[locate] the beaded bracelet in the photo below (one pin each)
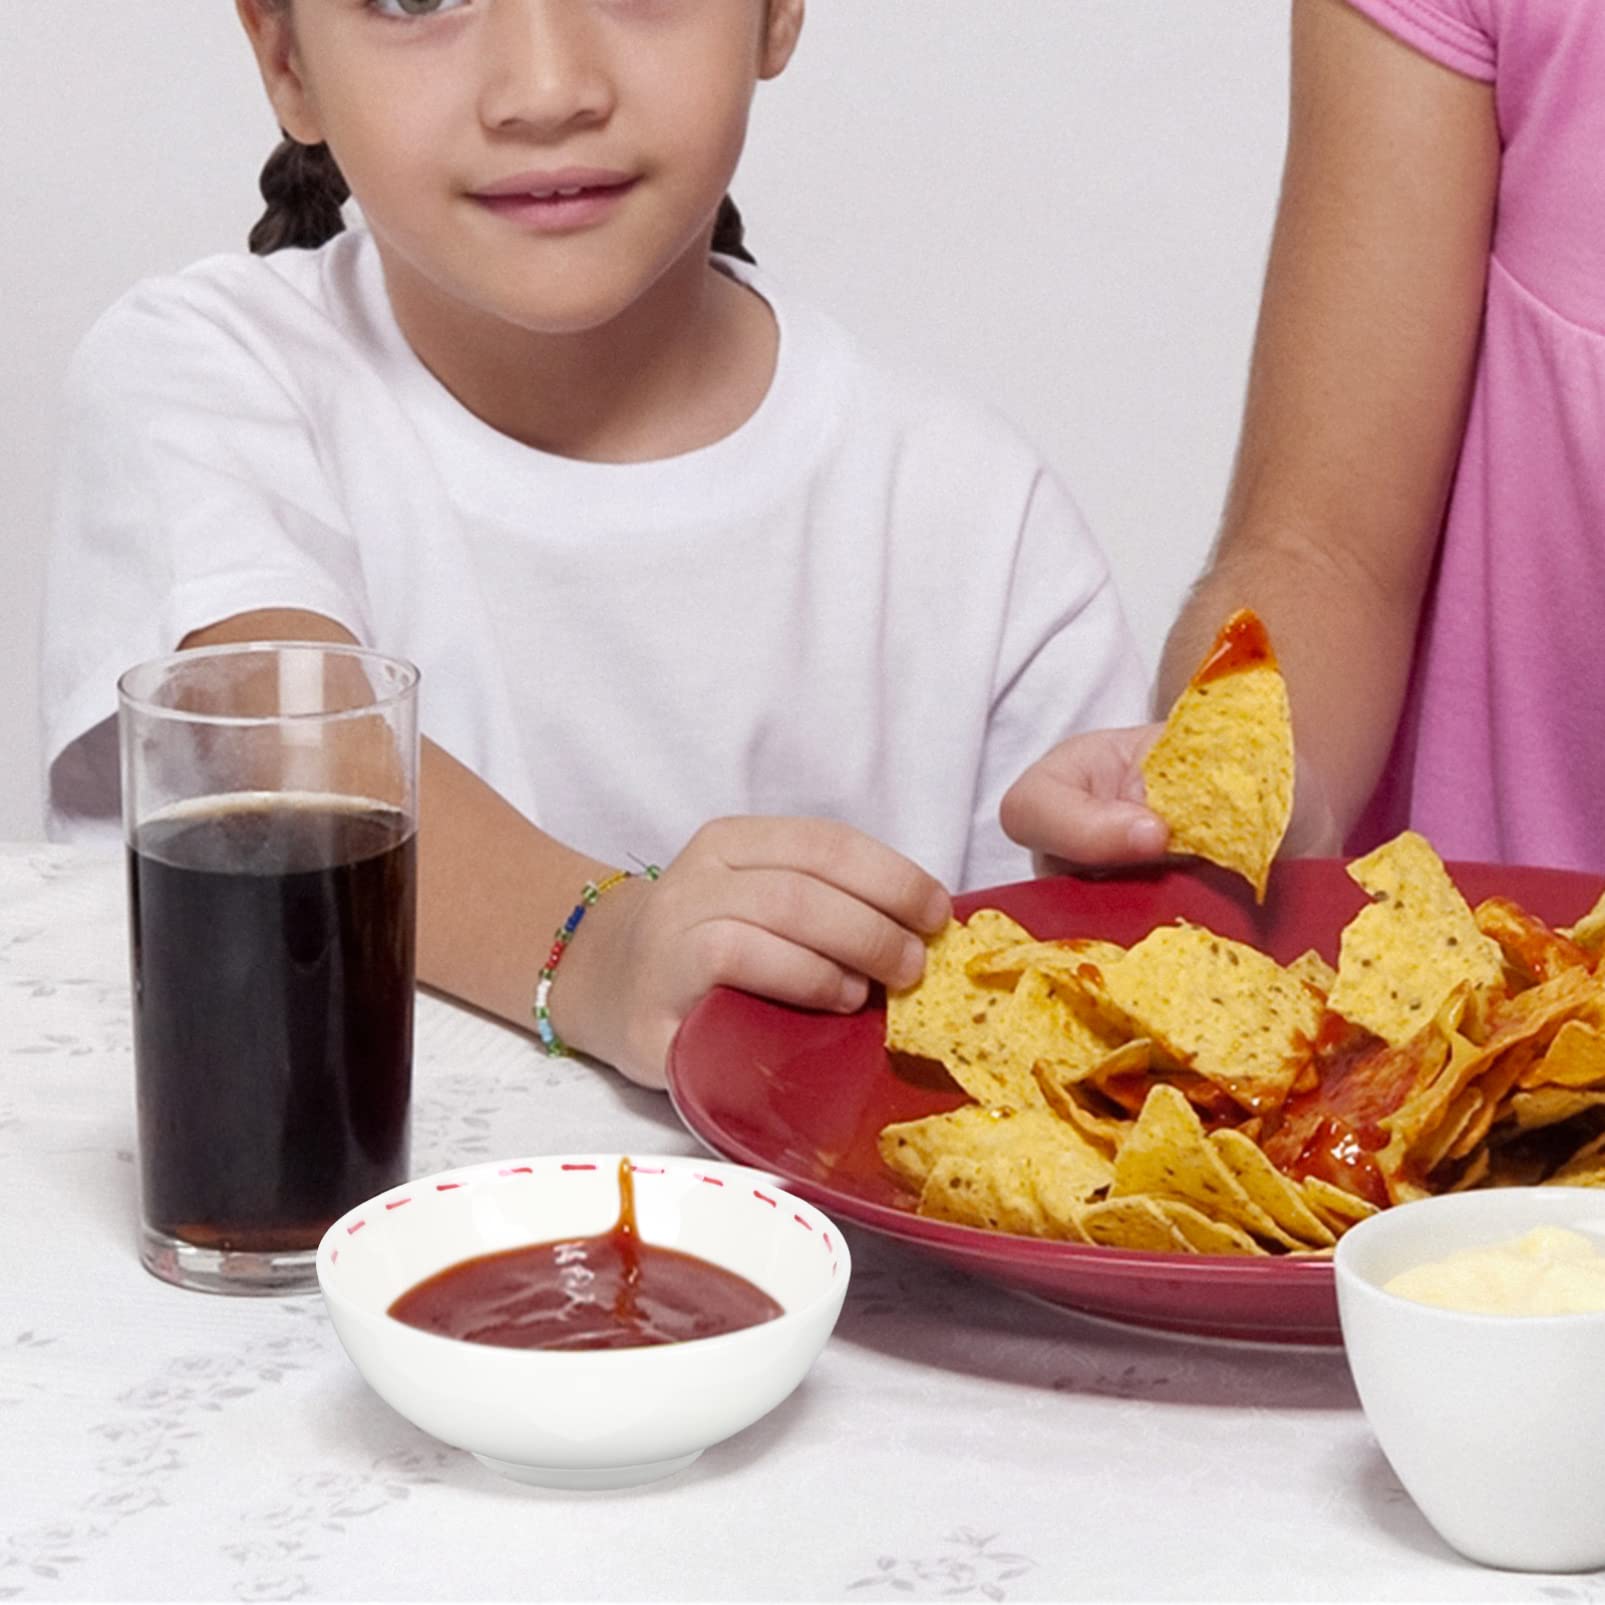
(554, 1045)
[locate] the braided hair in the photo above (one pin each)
(305, 189)
(730, 235)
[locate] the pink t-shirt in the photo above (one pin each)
(1501, 752)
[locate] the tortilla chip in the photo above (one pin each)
(1074, 1100)
(1589, 932)
(1137, 1223)
(1585, 1168)
(1279, 1196)
(913, 1148)
(1338, 1207)
(1310, 968)
(1042, 1020)
(1548, 1106)
(1219, 1008)
(1523, 1027)
(1057, 958)
(948, 1017)
(1205, 1234)
(974, 1192)
(1576, 1058)
(1167, 1155)
(1531, 948)
(1026, 1194)
(1404, 953)
(1430, 1150)
(1221, 773)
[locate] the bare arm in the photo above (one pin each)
(1358, 389)
(807, 911)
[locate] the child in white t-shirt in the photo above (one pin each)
(690, 579)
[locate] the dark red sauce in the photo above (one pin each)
(606, 1292)
(1242, 644)
(1333, 1127)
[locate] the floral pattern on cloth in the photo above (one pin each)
(953, 1442)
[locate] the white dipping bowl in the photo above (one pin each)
(1495, 1424)
(597, 1418)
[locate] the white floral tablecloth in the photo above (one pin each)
(953, 1442)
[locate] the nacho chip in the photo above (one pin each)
(1313, 970)
(1167, 1155)
(1279, 1196)
(1548, 1106)
(1072, 1098)
(1403, 954)
(1585, 1168)
(976, 1192)
(1523, 1027)
(1589, 932)
(1205, 1234)
(1219, 1008)
(1221, 773)
(1042, 1020)
(1061, 958)
(951, 1018)
(1133, 1223)
(913, 1148)
(1431, 1149)
(1531, 948)
(1023, 1193)
(1339, 1208)
(1576, 1058)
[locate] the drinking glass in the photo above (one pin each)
(270, 812)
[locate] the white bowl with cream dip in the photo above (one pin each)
(1494, 1422)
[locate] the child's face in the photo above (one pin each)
(456, 122)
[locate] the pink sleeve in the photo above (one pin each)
(1453, 33)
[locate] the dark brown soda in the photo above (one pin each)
(273, 957)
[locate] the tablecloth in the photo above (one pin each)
(954, 1442)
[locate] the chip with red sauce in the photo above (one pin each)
(1189, 1094)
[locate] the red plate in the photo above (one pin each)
(803, 1096)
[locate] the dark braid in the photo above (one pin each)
(729, 235)
(304, 190)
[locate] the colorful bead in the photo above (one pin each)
(591, 892)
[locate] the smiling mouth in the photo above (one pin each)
(552, 194)
(556, 206)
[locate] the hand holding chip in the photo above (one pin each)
(805, 911)
(1083, 804)
(1216, 780)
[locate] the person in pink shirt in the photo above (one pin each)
(1418, 505)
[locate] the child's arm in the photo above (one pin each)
(806, 911)
(1356, 404)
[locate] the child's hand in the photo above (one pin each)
(1082, 804)
(806, 911)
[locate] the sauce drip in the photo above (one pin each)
(1242, 644)
(607, 1292)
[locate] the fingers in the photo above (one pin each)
(1082, 803)
(836, 855)
(779, 967)
(1057, 822)
(831, 932)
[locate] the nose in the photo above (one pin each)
(545, 67)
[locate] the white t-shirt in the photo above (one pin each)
(871, 602)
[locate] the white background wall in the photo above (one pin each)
(1063, 202)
